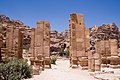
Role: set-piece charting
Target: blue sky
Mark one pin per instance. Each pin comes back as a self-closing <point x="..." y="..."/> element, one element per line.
<point x="97" y="12"/>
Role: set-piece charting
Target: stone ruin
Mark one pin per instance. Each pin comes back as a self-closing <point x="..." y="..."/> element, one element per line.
<point x="40" y="39"/>
<point x="13" y="35"/>
<point x="40" y="43"/>
<point x="91" y="48"/>
<point x="79" y="40"/>
<point x="16" y="37"/>
<point x="14" y="42"/>
<point x="104" y="46"/>
<point x="94" y="47"/>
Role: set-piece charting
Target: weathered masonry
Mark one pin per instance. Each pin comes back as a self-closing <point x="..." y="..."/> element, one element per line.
<point x="79" y="40"/>
<point x="40" y="41"/>
<point x="14" y="42"/>
<point x="93" y="48"/>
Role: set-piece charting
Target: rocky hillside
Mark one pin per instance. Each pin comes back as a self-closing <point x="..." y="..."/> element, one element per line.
<point x="6" y="22"/>
<point x="59" y="40"/>
<point x="104" y="32"/>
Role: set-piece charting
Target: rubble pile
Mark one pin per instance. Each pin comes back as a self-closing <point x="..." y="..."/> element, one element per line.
<point x="6" y="22"/>
<point x="104" y="32"/>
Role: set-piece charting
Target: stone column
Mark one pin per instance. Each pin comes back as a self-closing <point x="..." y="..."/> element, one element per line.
<point x="32" y="44"/>
<point x="39" y="42"/>
<point x="114" y="60"/>
<point x="14" y="42"/>
<point x="47" y="39"/>
<point x="113" y="43"/>
<point x="77" y="38"/>
<point x="97" y="56"/>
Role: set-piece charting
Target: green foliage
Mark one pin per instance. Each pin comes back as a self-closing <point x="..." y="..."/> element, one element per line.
<point x="61" y="52"/>
<point x="16" y="69"/>
<point x="53" y="59"/>
<point x="64" y="53"/>
<point x="67" y="53"/>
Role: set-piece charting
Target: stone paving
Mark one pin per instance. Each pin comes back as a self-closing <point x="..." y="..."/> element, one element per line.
<point x="62" y="71"/>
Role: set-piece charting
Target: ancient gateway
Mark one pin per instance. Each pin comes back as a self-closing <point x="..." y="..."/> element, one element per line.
<point x="91" y="48"/>
<point x="94" y="47"/>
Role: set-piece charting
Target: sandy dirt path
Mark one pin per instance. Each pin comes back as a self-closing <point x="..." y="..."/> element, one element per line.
<point x="62" y="71"/>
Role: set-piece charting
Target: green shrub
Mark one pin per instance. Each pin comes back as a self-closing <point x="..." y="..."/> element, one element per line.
<point x="67" y="53"/>
<point x="53" y="59"/>
<point x="16" y="69"/>
<point x="61" y="52"/>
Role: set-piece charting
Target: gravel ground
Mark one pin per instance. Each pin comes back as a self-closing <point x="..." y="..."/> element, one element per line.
<point x="62" y="71"/>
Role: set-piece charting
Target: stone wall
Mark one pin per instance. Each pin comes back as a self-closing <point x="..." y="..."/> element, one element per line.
<point x="79" y="38"/>
<point x="40" y="39"/>
<point x="5" y="22"/>
<point x="14" y="42"/>
<point x="104" y="46"/>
